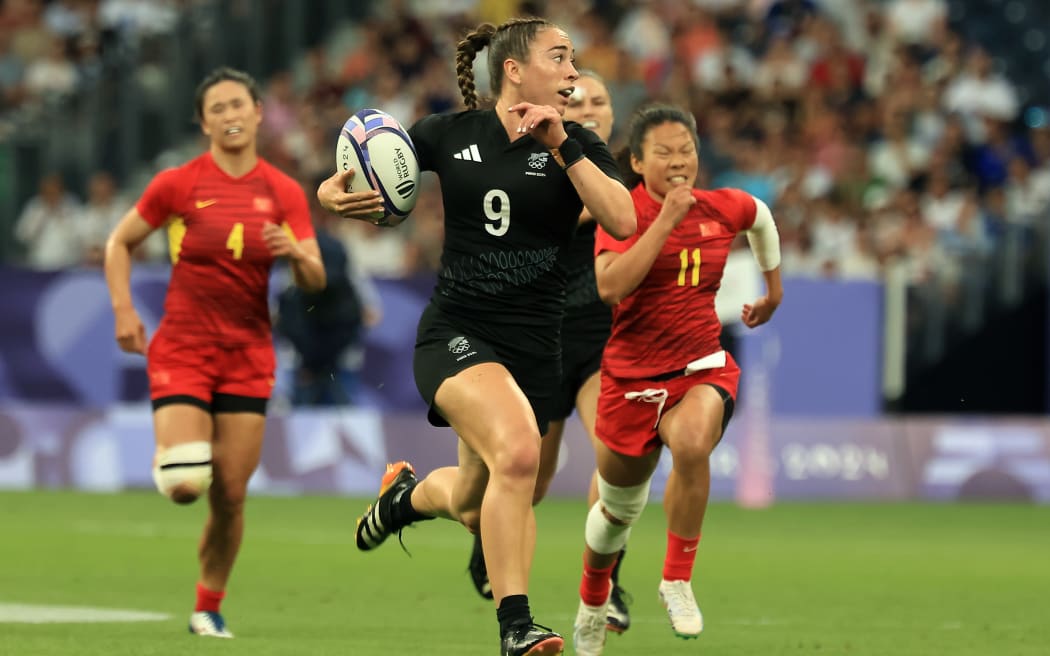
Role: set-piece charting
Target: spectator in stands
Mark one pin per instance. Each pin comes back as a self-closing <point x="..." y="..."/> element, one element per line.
<point x="12" y="73"/>
<point x="991" y="159"/>
<point x="917" y="22"/>
<point x="980" y="92"/>
<point x="781" y="73"/>
<point x="52" y="77"/>
<point x="789" y="17"/>
<point x="897" y="157"/>
<point x="280" y="107"/>
<point x="49" y="226"/>
<point x="1027" y="194"/>
<point x="100" y="215"/>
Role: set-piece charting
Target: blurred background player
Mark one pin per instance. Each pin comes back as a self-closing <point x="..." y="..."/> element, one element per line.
<point x="229" y="215"/>
<point x="584" y="330"/>
<point x="665" y="380"/>
<point x="326" y="328"/>
<point x="487" y="357"/>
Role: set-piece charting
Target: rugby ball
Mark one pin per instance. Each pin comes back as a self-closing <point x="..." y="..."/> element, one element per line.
<point x="379" y="150"/>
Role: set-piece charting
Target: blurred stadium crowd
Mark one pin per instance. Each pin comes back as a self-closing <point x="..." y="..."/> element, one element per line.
<point x="890" y="138"/>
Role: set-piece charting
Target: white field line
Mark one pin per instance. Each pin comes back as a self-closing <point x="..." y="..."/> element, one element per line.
<point x="44" y="614"/>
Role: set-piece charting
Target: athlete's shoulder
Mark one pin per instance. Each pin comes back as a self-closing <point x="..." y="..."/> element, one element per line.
<point x="736" y="205"/>
<point x="445" y="121"/>
<point x="727" y="198"/>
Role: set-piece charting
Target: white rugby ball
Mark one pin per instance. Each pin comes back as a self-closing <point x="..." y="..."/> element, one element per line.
<point x="378" y="148"/>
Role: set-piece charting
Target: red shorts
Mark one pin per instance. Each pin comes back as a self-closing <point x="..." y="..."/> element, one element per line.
<point x="629" y="409"/>
<point x="203" y="370"/>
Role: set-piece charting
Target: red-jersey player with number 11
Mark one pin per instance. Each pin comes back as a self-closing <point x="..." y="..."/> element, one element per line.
<point x="229" y="215"/>
<point x="665" y="380"/>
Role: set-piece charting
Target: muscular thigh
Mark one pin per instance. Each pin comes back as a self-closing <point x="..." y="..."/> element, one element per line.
<point x="178" y="423"/>
<point x="485" y="406"/>
<point x="624" y="470"/>
<point x="587" y="403"/>
<point x="696" y="420"/>
<point x="449" y="350"/>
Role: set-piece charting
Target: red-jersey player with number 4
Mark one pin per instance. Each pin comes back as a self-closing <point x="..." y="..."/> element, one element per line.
<point x="665" y="381"/>
<point x="229" y="215"/>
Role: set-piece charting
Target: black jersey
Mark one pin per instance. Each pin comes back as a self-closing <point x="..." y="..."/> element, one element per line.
<point x="510" y="215"/>
<point x="587" y="318"/>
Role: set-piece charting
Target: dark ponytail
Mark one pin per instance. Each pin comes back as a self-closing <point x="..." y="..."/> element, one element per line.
<point x="510" y="40"/>
<point x="466" y="50"/>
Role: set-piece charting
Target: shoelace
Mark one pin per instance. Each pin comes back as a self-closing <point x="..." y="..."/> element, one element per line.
<point x="533" y="625"/>
<point x="401" y="541"/>
<point x="400" y="538"/>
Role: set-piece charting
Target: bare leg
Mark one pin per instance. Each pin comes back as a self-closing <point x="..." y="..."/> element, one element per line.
<point x="235" y="455"/>
<point x="505" y="439"/>
<point x="550" y="448"/>
<point x="587" y="408"/>
<point x="691" y="430"/>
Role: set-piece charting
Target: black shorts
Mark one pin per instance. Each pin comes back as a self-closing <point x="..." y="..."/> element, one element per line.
<point x="580" y="359"/>
<point x="446" y="346"/>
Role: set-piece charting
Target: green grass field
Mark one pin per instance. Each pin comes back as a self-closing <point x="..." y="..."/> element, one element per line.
<point x="879" y="579"/>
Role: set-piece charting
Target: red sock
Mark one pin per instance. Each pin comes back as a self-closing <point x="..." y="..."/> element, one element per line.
<point x="594" y="586"/>
<point x="681" y="554"/>
<point x="208" y="600"/>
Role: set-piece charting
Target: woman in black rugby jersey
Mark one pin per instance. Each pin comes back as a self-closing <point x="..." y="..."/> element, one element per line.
<point x="514" y="180"/>
<point x="584" y="331"/>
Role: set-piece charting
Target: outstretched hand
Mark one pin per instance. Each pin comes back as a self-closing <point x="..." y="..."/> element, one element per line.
<point x="334" y="197"/>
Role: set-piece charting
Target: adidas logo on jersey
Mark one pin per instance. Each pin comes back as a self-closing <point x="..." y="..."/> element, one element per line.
<point x="470" y="154"/>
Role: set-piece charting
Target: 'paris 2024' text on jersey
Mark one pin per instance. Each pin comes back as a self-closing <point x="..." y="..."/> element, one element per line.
<point x="220" y="263"/>
<point x="670" y="319"/>
<point x="510" y="215"/>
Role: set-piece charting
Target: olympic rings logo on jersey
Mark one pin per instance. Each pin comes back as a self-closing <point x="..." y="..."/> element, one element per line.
<point x="459" y="345"/>
<point x="538" y="160"/>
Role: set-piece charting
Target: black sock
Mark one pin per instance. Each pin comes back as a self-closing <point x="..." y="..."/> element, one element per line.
<point x="402" y="511"/>
<point x="616" y="567"/>
<point x="513" y="610"/>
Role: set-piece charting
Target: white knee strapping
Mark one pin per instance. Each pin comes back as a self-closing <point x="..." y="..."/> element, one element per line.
<point x="187" y="465"/>
<point x="625" y="504"/>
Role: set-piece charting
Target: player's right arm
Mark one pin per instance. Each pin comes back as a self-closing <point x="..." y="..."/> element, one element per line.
<point x="126" y="236"/>
<point x="334" y="197"/>
<point x="619" y="273"/>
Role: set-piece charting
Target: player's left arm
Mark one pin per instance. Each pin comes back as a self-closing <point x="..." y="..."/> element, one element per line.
<point x="597" y="180"/>
<point x="588" y="163"/>
<point x="764" y="240"/>
<point x="295" y="241"/>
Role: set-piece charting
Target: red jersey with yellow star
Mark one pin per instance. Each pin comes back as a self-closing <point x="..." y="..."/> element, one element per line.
<point x="220" y="263"/>
<point x="670" y="319"/>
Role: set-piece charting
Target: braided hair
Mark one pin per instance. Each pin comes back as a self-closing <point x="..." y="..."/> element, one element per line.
<point x="508" y="41"/>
